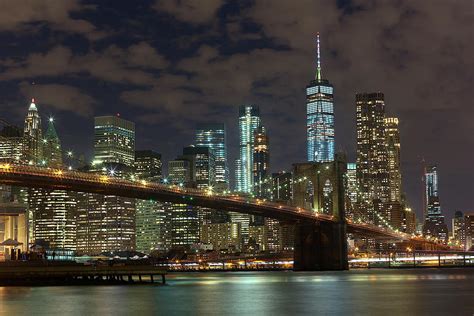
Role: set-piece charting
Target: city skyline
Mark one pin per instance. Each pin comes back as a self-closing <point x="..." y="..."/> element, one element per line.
<point x="417" y="142"/>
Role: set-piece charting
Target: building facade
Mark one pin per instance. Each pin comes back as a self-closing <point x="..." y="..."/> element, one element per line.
<point x="320" y="117"/>
<point x="249" y="121"/>
<point x="392" y="135"/>
<point x="214" y="137"/>
<point x="261" y="164"/>
<point x="434" y="225"/>
<point x="33" y="136"/>
<point x="373" y="174"/>
<point x="107" y="223"/>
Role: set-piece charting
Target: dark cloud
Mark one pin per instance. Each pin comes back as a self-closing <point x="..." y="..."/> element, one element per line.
<point x="59" y="97"/>
<point x="190" y="11"/>
<point x="21" y="16"/>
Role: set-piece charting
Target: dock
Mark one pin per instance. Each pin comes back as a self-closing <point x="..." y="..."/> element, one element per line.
<point x="75" y="274"/>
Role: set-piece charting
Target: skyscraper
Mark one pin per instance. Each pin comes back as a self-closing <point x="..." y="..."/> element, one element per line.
<point x="320" y="116"/>
<point x="52" y="153"/>
<point x="52" y="212"/>
<point x="148" y="165"/>
<point x="351" y="190"/>
<point x="202" y="165"/>
<point x="153" y="226"/>
<point x="114" y="140"/>
<point x="373" y="175"/>
<point x="214" y="137"/>
<point x="107" y="223"/>
<point x="459" y="229"/>
<point x="249" y="121"/>
<point x="392" y="135"/>
<point x="434" y="222"/>
<point x="33" y="135"/>
<point x="179" y="172"/>
<point x="11" y="144"/>
<point x="261" y="164"/>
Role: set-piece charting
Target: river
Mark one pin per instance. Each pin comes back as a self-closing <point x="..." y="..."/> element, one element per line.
<point x="355" y="292"/>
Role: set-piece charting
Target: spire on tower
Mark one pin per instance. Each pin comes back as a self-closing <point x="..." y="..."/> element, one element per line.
<point x="318" y="69"/>
<point x="32" y="105"/>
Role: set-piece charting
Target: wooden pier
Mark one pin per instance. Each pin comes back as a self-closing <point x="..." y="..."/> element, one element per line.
<point x="74" y="274"/>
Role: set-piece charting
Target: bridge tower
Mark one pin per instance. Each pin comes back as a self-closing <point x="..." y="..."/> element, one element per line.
<point x="319" y="186"/>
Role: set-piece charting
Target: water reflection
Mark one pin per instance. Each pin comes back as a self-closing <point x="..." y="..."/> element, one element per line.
<point x="350" y="292"/>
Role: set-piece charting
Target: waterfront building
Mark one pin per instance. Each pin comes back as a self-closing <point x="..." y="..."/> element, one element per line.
<point x="222" y="236"/>
<point x="469" y="231"/>
<point x="373" y="174"/>
<point x="434" y="225"/>
<point x="459" y="228"/>
<point x="33" y="135"/>
<point x="320" y="116"/>
<point x="107" y="223"/>
<point x="392" y="135"/>
<point x="214" y="137"/>
<point x="153" y="223"/>
<point x="261" y="164"/>
<point x="249" y="121"/>
<point x="53" y="219"/>
<point x="184" y="225"/>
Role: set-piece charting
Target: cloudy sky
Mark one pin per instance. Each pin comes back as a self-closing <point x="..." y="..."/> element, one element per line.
<point x="169" y="65"/>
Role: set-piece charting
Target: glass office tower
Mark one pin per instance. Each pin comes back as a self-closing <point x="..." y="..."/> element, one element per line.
<point x="249" y="121"/>
<point x="320" y="117"/>
<point x="214" y="137"/>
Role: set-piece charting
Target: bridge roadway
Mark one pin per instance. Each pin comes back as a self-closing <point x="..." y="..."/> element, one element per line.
<point x="59" y="179"/>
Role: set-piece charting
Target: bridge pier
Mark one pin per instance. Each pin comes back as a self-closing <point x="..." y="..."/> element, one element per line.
<point x="320" y="246"/>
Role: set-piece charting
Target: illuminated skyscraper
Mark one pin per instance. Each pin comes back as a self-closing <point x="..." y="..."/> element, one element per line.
<point x="11" y="144"/>
<point x="33" y="135"/>
<point x="107" y="223"/>
<point x="249" y="121"/>
<point x="53" y="211"/>
<point x="459" y="228"/>
<point x="392" y="135"/>
<point x="153" y="226"/>
<point x="179" y="172"/>
<point x="261" y="164"/>
<point x="214" y="137"/>
<point x="52" y="153"/>
<point x="114" y="141"/>
<point x="434" y="222"/>
<point x="320" y="116"/>
<point x="373" y="175"/>
<point x="202" y="161"/>
<point x="351" y="190"/>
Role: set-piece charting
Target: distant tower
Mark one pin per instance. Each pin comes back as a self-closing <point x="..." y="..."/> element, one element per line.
<point x="214" y="137"/>
<point x="392" y="135"/>
<point x="434" y="222"/>
<point x="261" y="164"/>
<point x="372" y="160"/>
<point x="249" y="121"/>
<point x="33" y="135"/>
<point x="52" y="153"/>
<point x="320" y="116"/>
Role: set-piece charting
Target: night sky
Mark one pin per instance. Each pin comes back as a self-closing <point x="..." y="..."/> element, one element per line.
<point x="169" y="65"/>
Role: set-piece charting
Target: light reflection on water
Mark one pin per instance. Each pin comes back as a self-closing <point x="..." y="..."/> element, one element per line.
<point x="374" y="292"/>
